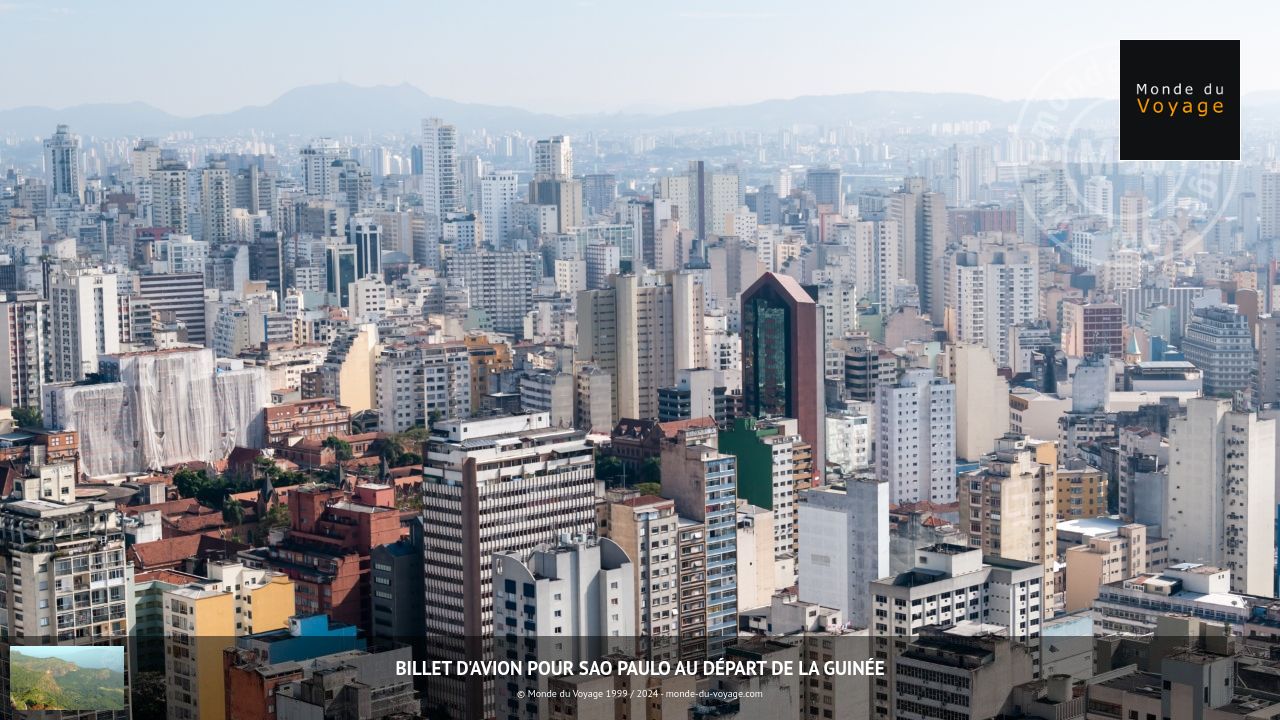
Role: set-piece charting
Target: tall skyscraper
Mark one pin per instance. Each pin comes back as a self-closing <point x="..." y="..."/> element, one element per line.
<point x="1221" y="502"/>
<point x="366" y="236"/>
<point x="1269" y="207"/>
<point x="317" y="159"/>
<point x="440" y="192"/>
<point x="62" y="162"/>
<point x="24" y="367"/>
<point x="217" y="196"/>
<point x="499" y="193"/>
<point x="502" y="484"/>
<point x="703" y="483"/>
<point x="642" y="330"/>
<point x="993" y="287"/>
<point x="553" y="158"/>
<point x="824" y="183"/>
<point x="1099" y="198"/>
<point x="782" y="357"/>
<point x="916" y="449"/>
<point x="84" y="321"/>
<point x="599" y="192"/>
<point x="340" y="272"/>
<point x="170" y="204"/>
<point x="922" y="230"/>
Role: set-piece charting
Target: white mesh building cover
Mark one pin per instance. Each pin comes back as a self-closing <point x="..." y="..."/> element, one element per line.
<point x="165" y="407"/>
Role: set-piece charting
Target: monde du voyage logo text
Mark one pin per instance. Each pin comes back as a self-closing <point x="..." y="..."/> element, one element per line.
<point x="1179" y="99"/>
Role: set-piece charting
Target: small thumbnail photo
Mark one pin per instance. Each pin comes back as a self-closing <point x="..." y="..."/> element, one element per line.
<point x="66" y="678"/>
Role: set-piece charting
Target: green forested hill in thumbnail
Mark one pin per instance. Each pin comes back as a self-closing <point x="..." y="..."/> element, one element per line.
<point x="37" y="683"/>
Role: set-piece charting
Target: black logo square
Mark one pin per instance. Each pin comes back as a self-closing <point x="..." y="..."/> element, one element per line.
<point x="1179" y="99"/>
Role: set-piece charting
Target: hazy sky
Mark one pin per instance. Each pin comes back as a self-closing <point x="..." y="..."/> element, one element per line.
<point x="111" y="658"/>
<point x="576" y="56"/>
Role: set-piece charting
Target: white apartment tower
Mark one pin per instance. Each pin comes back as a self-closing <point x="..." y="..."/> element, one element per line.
<point x="62" y="161"/>
<point x="992" y="288"/>
<point x="439" y="173"/>
<point x="24" y="349"/>
<point x="1220" y="506"/>
<point x="553" y="158"/>
<point x="84" y="321"/>
<point x="916" y="452"/>
<point x="844" y="545"/>
<point x="499" y="192"/>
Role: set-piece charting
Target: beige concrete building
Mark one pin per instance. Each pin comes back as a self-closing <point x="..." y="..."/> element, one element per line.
<point x="1082" y="492"/>
<point x="1128" y="552"/>
<point x="1008" y="506"/>
<point x="982" y="414"/>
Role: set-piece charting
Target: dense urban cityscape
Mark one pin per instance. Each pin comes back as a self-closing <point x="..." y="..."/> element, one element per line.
<point x="941" y="404"/>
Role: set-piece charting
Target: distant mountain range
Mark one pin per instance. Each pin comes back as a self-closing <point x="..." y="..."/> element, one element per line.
<point x="40" y="683"/>
<point x="343" y="109"/>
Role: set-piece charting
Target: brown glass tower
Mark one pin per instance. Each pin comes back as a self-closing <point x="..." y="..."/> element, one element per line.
<point x="782" y="358"/>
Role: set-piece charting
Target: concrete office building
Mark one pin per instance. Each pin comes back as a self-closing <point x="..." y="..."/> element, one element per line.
<point x="481" y="479"/>
<point x="844" y="545"/>
<point x="1221" y="504"/>
<point x="642" y="330"/>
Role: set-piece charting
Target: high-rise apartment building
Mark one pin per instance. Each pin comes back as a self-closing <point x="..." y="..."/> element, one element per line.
<point x="916" y="448"/>
<point x="217" y="197"/>
<point x="440" y="191"/>
<point x="62" y="162"/>
<point x="553" y="157"/>
<point x="62" y="562"/>
<point x="501" y="484"/>
<point x="642" y="330"/>
<point x="1221" y="506"/>
<point x="1092" y="328"/>
<point x="84" y="321"/>
<point x="921" y="218"/>
<point x="992" y="288"/>
<point x="1008" y="506"/>
<point x="770" y="468"/>
<point x="574" y="599"/>
<point x="170" y="203"/>
<point x="950" y="584"/>
<point x="24" y="348"/>
<point x="500" y="284"/>
<point x="499" y="193"/>
<point x="416" y="384"/>
<point x="702" y="482"/>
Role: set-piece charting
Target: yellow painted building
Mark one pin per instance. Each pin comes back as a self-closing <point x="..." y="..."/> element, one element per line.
<point x="1082" y="493"/>
<point x="203" y="618"/>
